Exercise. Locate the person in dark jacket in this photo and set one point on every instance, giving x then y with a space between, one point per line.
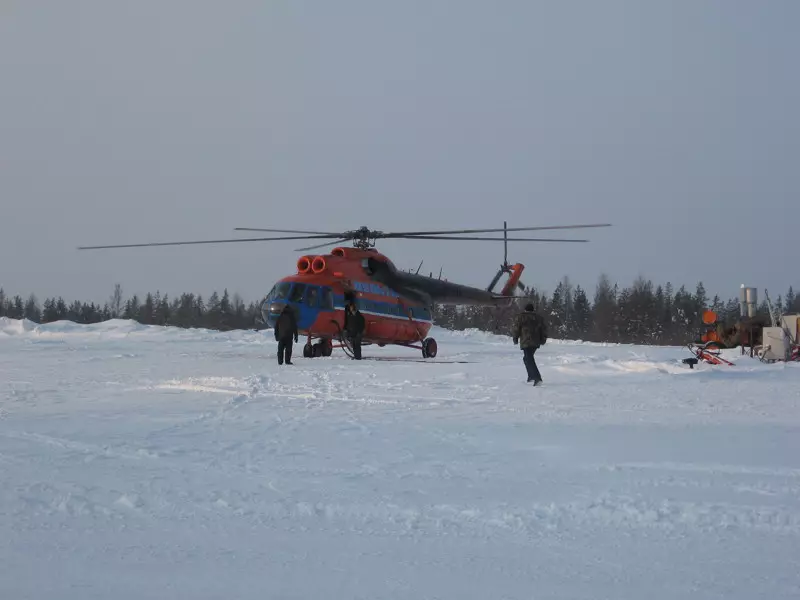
530 331
354 326
285 332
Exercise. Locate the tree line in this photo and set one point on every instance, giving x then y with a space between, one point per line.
642 313
220 312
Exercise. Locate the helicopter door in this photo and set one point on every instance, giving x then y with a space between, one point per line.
396 310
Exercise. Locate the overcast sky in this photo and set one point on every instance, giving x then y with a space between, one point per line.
122 122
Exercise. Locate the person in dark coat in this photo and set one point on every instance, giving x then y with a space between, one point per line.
285 332
354 325
530 331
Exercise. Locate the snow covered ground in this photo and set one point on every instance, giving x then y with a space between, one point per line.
145 462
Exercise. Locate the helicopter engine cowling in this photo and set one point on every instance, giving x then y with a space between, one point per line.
304 264
319 264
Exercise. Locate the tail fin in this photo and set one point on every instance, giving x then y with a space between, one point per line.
513 280
514 272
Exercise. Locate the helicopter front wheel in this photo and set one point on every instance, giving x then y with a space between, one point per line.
429 348
321 348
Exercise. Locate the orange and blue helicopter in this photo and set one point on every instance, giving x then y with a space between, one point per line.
397 305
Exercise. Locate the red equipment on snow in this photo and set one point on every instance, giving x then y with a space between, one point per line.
709 352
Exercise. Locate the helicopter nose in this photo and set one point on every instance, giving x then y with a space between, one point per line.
271 311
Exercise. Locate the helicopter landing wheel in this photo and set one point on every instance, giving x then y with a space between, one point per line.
321 348
429 348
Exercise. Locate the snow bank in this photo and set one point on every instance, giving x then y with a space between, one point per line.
114 328
60 328
15 326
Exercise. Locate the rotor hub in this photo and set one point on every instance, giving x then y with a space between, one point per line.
364 238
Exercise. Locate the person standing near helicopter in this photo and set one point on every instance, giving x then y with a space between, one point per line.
285 332
354 325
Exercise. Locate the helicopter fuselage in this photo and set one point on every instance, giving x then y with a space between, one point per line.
322 286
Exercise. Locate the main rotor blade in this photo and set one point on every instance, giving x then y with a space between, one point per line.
266 239
287 231
484 239
494 230
321 245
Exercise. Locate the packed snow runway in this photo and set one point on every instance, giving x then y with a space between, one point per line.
146 462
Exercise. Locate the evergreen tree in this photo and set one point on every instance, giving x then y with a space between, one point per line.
163 311
701 298
49 312
184 314
74 312
582 314
132 308
198 312
683 313
61 309
444 316
556 313
624 327
639 311
16 308
791 303
32 311
238 310
115 304
147 310
225 303
212 316
731 311
660 304
568 304
604 311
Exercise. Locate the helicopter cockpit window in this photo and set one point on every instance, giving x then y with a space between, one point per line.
312 295
297 292
281 290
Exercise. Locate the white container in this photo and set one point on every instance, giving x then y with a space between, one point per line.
775 344
791 323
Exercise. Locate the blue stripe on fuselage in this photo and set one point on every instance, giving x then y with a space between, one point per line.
307 315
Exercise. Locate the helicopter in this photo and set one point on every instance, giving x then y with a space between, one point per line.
397 305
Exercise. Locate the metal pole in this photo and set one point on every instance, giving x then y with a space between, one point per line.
505 243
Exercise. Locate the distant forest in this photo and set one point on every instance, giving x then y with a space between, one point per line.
643 313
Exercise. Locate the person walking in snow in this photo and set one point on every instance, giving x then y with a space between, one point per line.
530 332
285 332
